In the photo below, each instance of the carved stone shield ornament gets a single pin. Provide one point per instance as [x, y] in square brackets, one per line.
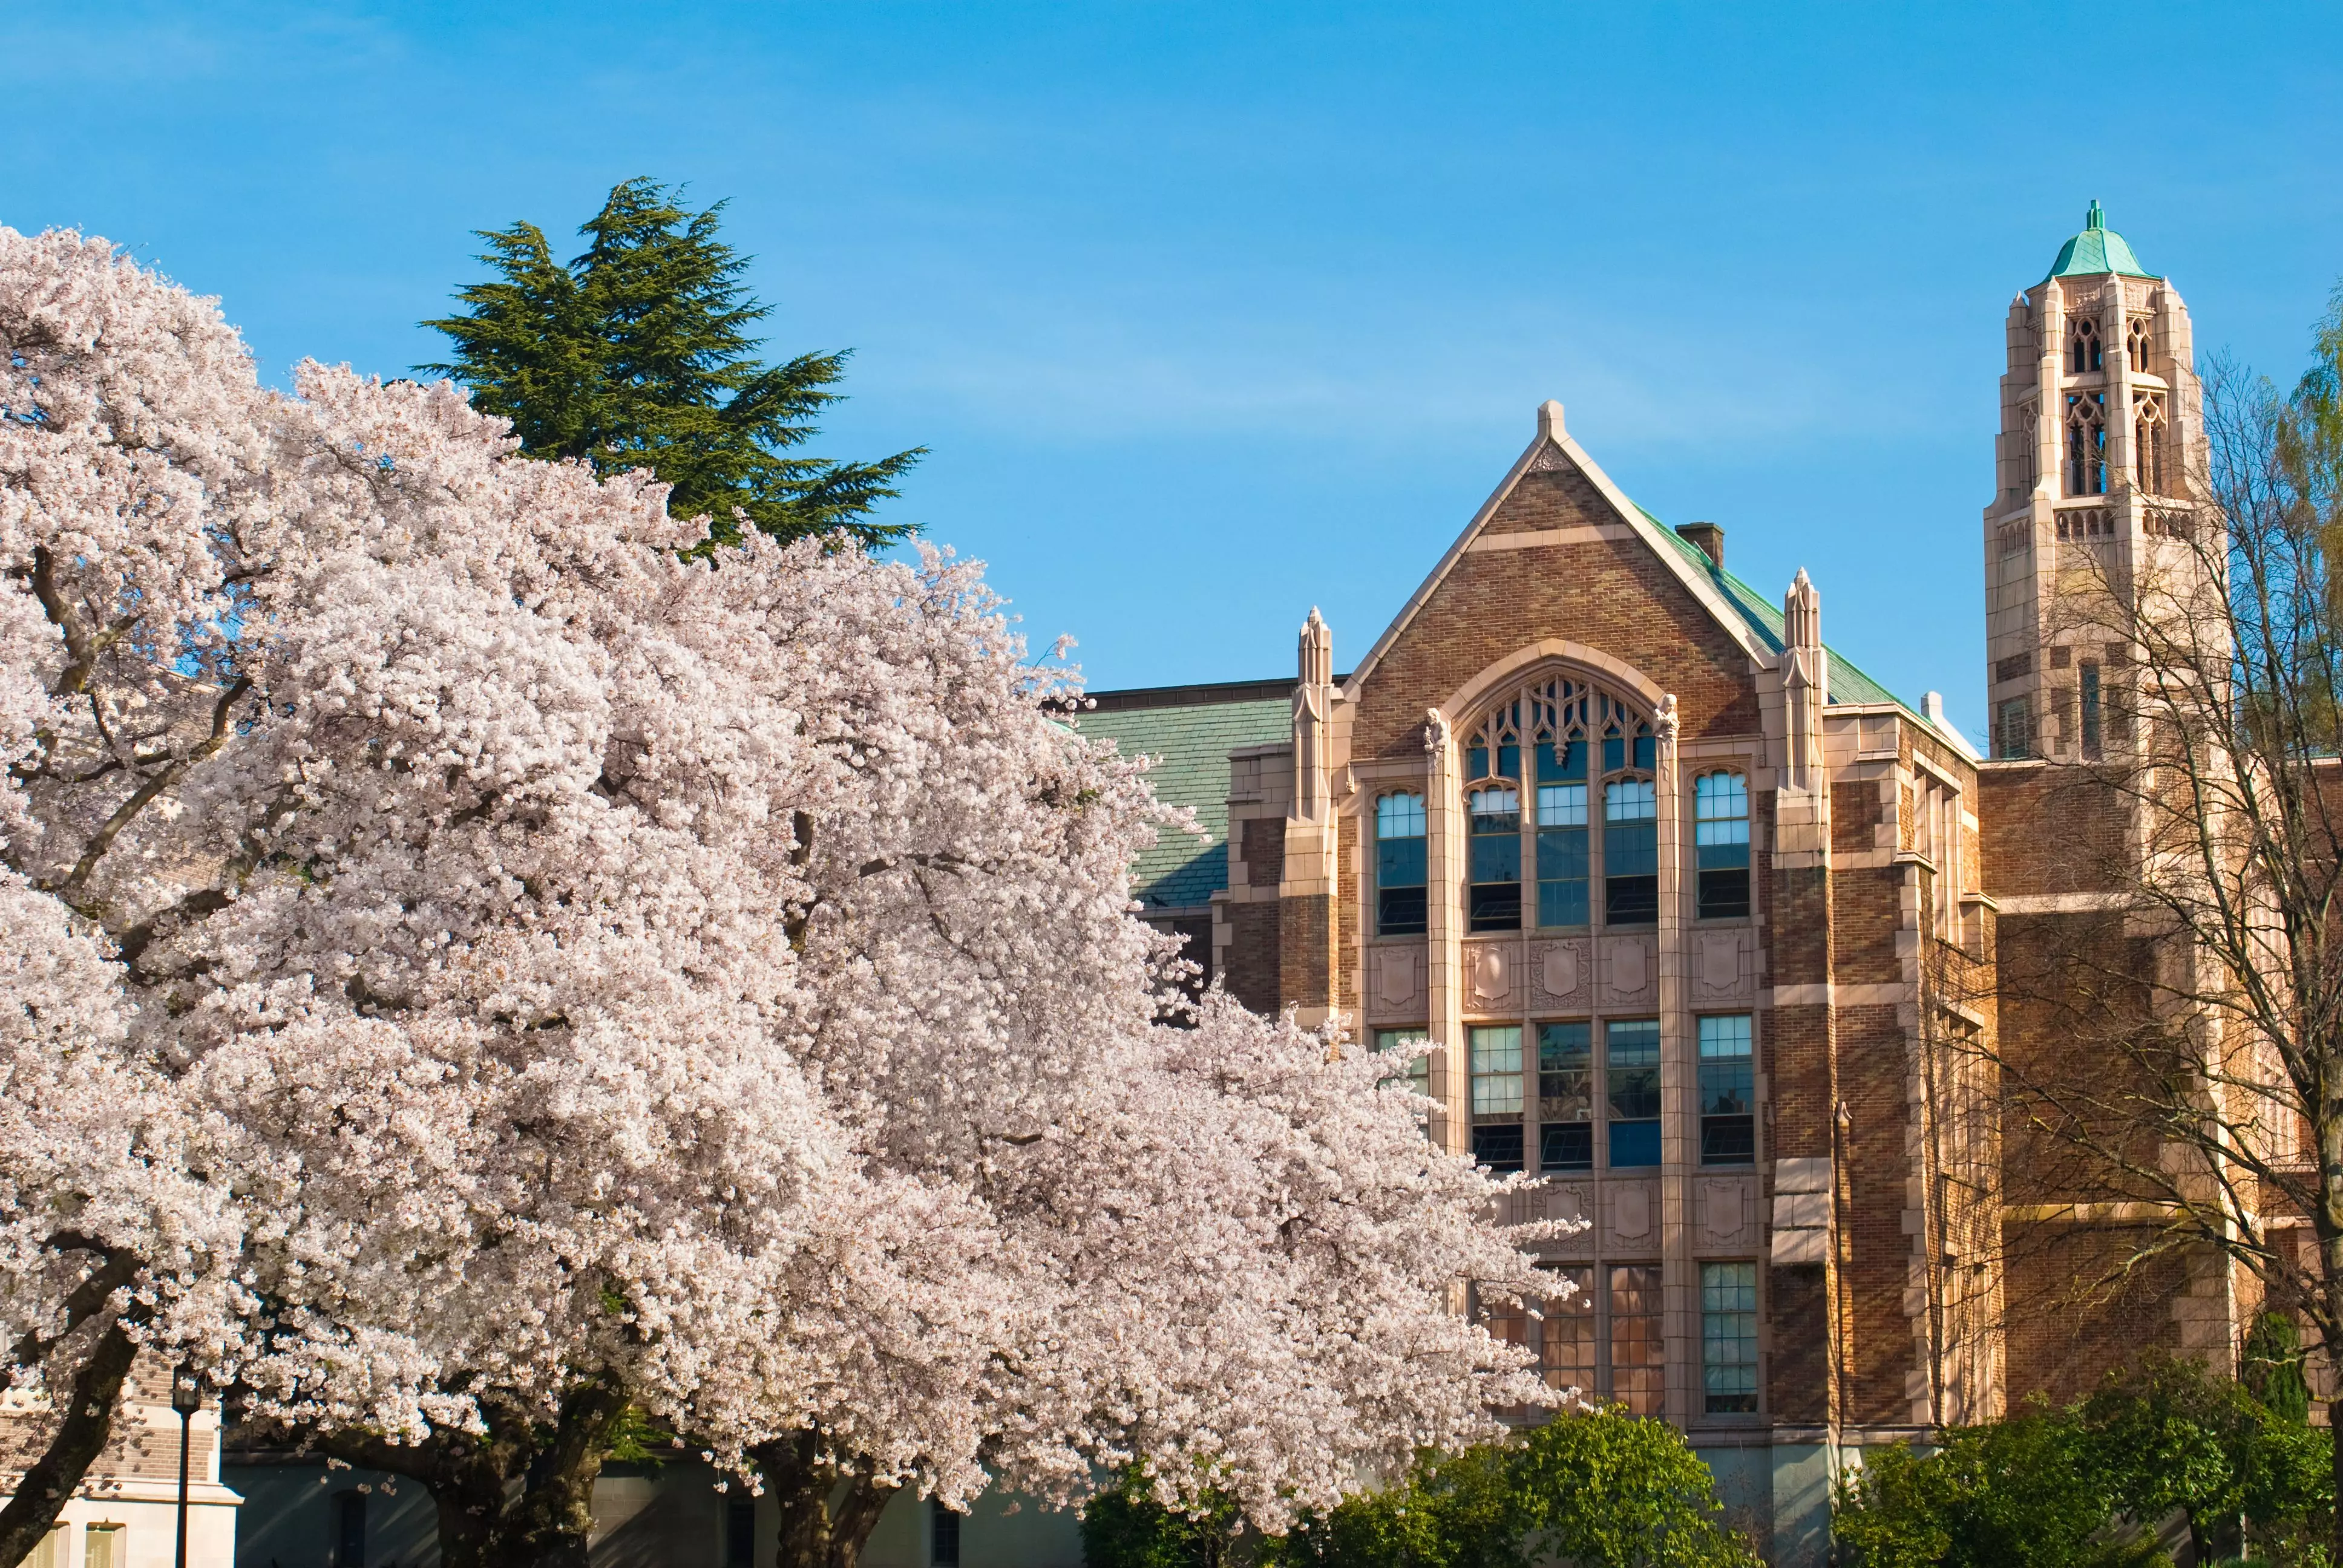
[1395, 976]
[1558, 970]
[1490, 979]
[1630, 969]
[1631, 1210]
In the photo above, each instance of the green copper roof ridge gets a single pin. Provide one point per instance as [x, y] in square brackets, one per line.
[1765, 616]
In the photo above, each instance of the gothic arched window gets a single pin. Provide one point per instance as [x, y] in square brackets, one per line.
[2148, 436]
[1533, 766]
[2087, 443]
[2083, 350]
[2138, 335]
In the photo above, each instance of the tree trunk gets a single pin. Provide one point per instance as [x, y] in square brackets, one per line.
[801, 1479]
[857, 1516]
[469, 1479]
[81, 1436]
[820, 1528]
[555, 1519]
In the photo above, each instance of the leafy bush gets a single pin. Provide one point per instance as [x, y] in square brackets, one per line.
[2090, 1485]
[1597, 1489]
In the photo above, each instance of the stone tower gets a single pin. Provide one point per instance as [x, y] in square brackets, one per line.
[2100, 429]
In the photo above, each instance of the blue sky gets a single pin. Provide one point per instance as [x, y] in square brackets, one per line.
[1212, 312]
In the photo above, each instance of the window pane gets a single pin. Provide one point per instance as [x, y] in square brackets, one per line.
[1419, 1071]
[1630, 852]
[1723, 894]
[1497, 1071]
[1566, 1146]
[1399, 816]
[1400, 913]
[1493, 869]
[1565, 1097]
[1399, 862]
[1567, 760]
[1400, 906]
[1566, 1339]
[1561, 805]
[1565, 1070]
[1727, 1092]
[1630, 800]
[1728, 1337]
[1635, 1144]
[1498, 1145]
[1638, 1346]
[1721, 797]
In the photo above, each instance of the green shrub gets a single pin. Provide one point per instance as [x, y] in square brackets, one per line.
[2088, 1486]
[1597, 1489]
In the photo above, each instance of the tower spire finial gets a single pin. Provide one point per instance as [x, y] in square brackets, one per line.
[2094, 217]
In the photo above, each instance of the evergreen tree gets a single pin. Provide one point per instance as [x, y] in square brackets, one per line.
[640, 353]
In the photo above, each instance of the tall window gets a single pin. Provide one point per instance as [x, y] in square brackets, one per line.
[350, 1530]
[2087, 443]
[1534, 767]
[54, 1550]
[2148, 432]
[1565, 1097]
[1497, 1097]
[1630, 852]
[2013, 728]
[943, 1535]
[2083, 352]
[1561, 859]
[1399, 866]
[740, 1533]
[1631, 1062]
[109, 1546]
[1728, 1135]
[1604, 1339]
[2093, 730]
[1728, 1337]
[1721, 845]
[1494, 878]
[1567, 1347]
[1639, 1352]
[2138, 333]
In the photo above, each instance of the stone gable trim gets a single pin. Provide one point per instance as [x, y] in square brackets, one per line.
[1552, 448]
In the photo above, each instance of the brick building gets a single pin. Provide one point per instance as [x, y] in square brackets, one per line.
[1704, 923]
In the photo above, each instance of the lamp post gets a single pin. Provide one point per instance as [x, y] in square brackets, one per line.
[187, 1398]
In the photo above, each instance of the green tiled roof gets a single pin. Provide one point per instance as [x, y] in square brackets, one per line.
[2097, 249]
[1191, 740]
[1848, 683]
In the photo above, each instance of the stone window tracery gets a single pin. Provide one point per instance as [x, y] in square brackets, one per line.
[2087, 443]
[2139, 334]
[2084, 354]
[2148, 431]
[1557, 748]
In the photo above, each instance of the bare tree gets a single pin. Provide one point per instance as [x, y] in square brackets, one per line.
[2171, 1025]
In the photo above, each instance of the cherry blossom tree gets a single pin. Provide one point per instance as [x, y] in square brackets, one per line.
[488, 977]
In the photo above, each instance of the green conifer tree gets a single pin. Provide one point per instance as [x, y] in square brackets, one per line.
[640, 353]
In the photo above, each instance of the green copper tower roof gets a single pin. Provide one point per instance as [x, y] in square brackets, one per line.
[2097, 249]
